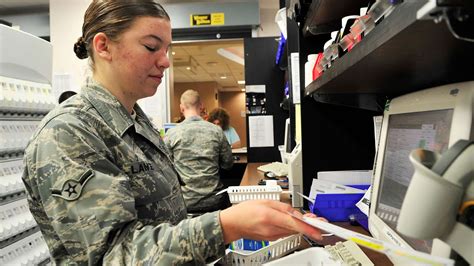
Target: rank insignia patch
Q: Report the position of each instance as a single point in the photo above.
(72, 189)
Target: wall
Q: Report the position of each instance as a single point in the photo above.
(66, 19)
(34, 23)
(207, 91)
(268, 10)
(234, 103)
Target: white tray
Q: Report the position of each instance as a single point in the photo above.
(307, 257)
(238, 194)
(271, 252)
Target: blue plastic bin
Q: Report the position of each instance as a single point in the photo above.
(337, 207)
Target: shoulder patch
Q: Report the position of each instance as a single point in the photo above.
(72, 189)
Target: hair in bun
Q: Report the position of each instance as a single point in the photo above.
(80, 48)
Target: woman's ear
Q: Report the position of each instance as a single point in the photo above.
(101, 45)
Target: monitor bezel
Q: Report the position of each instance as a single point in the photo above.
(460, 98)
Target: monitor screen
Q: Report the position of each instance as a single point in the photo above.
(408, 131)
(167, 126)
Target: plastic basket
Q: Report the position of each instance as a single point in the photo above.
(238, 194)
(337, 207)
(274, 251)
(311, 256)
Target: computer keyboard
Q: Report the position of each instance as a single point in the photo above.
(278, 168)
(348, 253)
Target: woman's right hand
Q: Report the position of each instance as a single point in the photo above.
(263, 220)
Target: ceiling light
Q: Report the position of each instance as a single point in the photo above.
(173, 53)
(241, 82)
(233, 53)
(211, 64)
(242, 90)
(223, 77)
(188, 68)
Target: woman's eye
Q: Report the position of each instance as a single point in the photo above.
(151, 49)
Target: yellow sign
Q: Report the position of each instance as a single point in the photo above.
(207, 19)
(217, 19)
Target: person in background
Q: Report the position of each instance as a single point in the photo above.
(199, 149)
(100, 182)
(204, 113)
(220, 117)
(66, 95)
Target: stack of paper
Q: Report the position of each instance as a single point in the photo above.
(323, 186)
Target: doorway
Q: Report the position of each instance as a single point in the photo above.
(216, 70)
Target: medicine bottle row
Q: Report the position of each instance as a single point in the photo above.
(14, 135)
(10, 176)
(15, 218)
(30, 250)
(25, 96)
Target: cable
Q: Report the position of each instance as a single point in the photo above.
(450, 27)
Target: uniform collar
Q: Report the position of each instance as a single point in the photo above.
(111, 110)
(193, 118)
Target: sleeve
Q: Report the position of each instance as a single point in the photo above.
(168, 139)
(225, 154)
(91, 207)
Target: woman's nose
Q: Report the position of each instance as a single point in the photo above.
(163, 60)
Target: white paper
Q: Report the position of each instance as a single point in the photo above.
(356, 177)
(323, 186)
(295, 77)
(261, 131)
(364, 202)
(412, 257)
(240, 150)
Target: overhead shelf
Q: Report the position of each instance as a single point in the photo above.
(324, 16)
(400, 55)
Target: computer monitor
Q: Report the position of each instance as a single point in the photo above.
(433, 119)
(167, 126)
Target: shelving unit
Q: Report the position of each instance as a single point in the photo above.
(400, 55)
(25, 98)
(324, 16)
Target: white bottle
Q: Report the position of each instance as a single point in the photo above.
(308, 69)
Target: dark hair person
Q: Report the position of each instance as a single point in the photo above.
(66, 95)
(100, 181)
(220, 117)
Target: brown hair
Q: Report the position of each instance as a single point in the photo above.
(113, 17)
(221, 115)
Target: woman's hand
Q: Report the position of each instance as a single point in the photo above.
(263, 220)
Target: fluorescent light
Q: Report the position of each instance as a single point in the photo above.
(242, 90)
(241, 82)
(231, 54)
(223, 77)
(188, 68)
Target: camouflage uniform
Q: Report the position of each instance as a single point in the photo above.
(103, 189)
(199, 148)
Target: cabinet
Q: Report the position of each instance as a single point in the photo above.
(412, 48)
(25, 97)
